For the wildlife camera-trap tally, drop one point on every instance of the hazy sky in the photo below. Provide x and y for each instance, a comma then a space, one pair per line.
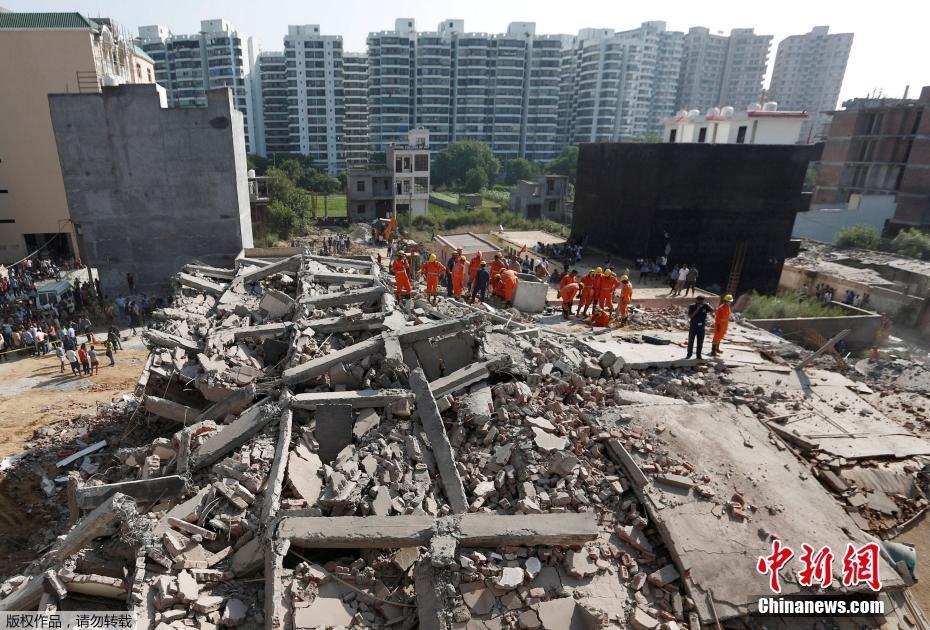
890, 49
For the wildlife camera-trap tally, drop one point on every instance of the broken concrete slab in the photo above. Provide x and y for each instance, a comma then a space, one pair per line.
321, 365
200, 284
304, 477
342, 278
291, 263
262, 331
478, 529
466, 376
412, 334
632, 469
249, 558
333, 430
357, 399
275, 304
328, 300
218, 443
275, 484
232, 402
170, 410
367, 420
324, 612
430, 608
442, 449
348, 532
161, 339
89, 497
368, 321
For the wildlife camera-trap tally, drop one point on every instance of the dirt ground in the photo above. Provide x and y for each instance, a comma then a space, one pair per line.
919, 536
34, 393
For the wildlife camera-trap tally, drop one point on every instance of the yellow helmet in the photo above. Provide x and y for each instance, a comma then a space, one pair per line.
483, 263
432, 257
727, 298
608, 272
624, 278
598, 270
462, 258
401, 253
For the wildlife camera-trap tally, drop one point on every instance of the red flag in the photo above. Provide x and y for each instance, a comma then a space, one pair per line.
523, 249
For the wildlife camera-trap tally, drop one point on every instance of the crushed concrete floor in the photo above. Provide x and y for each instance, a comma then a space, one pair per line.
302, 451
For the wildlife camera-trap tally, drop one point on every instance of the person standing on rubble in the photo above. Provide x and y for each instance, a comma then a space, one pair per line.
568, 290
697, 318
402, 286
691, 280
588, 291
473, 266
626, 296
497, 266
458, 277
605, 294
566, 279
449, 265
432, 269
479, 287
721, 322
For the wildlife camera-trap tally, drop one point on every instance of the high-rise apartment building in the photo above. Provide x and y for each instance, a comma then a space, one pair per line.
271, 104
315, 95
391, 84
42, 54
355, 121
808, 75
189, 65
719, 70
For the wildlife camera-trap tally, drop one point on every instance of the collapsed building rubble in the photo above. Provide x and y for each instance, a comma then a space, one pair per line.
321, 456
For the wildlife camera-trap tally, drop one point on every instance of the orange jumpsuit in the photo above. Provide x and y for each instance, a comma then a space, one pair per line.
458, 278
568, 293
588, 285
432, 270
497, 266
721, 322
626, 296
600, 319
401, 278
473, 266
605, 292
508, 283
566, 280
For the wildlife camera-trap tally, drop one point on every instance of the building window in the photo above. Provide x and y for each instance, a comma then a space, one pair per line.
360, 186
552, 206
672, 134
398, 165
360, 208
741, 135
702, 134
421, 163
550, 186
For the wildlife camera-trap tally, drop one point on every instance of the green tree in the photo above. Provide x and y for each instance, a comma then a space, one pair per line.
475, 180
566, 164
912, 242
861, 236
454, 163
519, 168
281, 219
257, 162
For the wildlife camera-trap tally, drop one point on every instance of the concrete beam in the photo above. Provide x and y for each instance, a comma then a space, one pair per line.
356, 532
342, 278
479, 529
164, 340
372, 321
272, 494
342, 298
430, 609
98, 522
262, 331
619, 454
358, 399
321, 365
442, 449
441, 328
278, 614
213, 272
233, 403
342, 262
292, 263
468, 375
170, 410
89, 497
200, 284
252, 262
232, 436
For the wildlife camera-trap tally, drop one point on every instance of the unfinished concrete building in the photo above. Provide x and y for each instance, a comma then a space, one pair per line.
150, 188
729, 209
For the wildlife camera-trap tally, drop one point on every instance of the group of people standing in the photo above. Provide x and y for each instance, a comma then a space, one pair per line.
596, 291
462, 277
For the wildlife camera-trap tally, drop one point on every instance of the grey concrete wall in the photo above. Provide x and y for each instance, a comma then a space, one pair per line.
821, 223
151, 189
864, 325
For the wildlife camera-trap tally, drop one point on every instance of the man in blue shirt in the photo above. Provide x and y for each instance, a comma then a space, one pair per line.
697, 318
480, 286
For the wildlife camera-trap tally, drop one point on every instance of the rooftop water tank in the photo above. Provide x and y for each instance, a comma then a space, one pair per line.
770, 106
753, 107
727, 111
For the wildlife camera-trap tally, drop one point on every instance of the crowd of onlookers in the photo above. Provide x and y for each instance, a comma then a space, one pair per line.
826, 294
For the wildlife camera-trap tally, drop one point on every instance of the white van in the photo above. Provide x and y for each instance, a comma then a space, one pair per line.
52, 294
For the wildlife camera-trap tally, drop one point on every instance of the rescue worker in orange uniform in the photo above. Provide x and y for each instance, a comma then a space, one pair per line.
458, 277
568, 293
401, 275
508, 284
721, 323
605, 292
432, 269
568, 278
473, 266
588, 291
600, 318
626, 296
497, 266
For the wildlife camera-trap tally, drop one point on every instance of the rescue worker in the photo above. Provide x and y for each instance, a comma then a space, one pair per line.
479, 286
697, 321
721, 322
458, 277
432, 269
473, 266
402, 286
626, 296
497, 266
605, 292
588, 295
569, 278
568, 292
600, 318
449, 265
508, 284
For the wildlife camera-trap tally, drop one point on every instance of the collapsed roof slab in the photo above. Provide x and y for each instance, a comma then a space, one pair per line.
288, 264
370, 321
356, 532
321, 365
736, 452
358, 399
200, 284
342, 298
342, 278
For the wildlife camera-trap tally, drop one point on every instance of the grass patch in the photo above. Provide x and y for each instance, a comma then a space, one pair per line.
450, 197
331, 205
788, 306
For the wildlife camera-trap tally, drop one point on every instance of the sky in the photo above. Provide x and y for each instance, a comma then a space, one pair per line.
890, 49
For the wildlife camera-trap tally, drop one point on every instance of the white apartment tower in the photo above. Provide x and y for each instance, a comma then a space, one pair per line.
315, 95
808, 75
719, 70
391, 84
355, 120
189, 65
273, 100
